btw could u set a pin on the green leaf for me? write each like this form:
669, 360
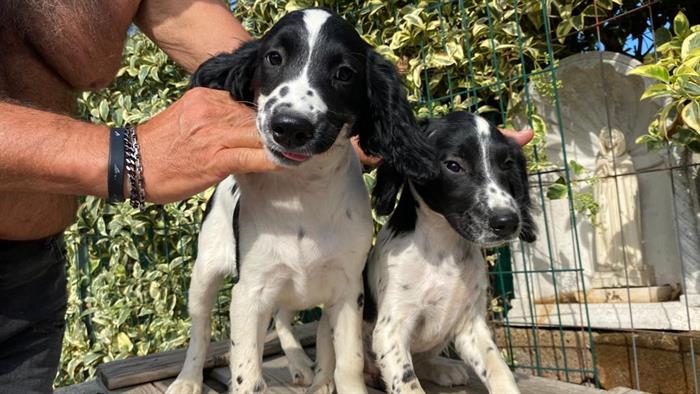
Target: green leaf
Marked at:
104, 110
556, 191
143, 73
690, 43
691, 115
655, 90
124, 343
576, 167
563, 29
661, 36
680, 24
652, 71
441, 60
414, 19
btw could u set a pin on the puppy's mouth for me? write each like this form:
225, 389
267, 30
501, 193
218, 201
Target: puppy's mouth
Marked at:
288, 158
295, 156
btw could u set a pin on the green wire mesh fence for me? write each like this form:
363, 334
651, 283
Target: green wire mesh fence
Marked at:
559, 307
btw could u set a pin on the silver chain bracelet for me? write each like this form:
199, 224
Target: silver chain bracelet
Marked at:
134, 169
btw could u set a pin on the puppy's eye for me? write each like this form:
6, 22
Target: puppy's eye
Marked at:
507, 164
453, 166
274, 58
344, 74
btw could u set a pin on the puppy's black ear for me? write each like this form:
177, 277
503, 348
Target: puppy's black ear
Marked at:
387, 187
389, 128
234, 72
528, 228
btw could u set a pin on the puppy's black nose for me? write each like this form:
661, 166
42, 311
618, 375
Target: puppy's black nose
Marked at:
291, 131
503, 223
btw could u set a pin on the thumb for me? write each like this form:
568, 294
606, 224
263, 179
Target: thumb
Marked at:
246, 160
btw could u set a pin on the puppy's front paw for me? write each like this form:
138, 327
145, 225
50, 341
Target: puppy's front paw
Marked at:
323, 384
249, 386
443, 372
504, 386
184, 386
301, 374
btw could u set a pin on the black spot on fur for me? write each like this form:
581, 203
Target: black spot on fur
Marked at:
348, 213
297, 376
311, 107
309, 93
483, 373
360, 300
301, 233
408, 375
414, 386
239, 379
285, 105
284, 91
270, 103
236, 234
405, 287
370, 311
233, 343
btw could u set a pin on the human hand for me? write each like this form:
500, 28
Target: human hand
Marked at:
197, 142
522, 137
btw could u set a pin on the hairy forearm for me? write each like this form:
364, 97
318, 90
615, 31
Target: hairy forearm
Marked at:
49, 153
190, 31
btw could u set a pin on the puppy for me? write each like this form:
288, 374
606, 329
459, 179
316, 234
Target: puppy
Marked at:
298, 237
427, 273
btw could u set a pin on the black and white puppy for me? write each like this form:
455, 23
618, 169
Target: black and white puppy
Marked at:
427, 273
298, 237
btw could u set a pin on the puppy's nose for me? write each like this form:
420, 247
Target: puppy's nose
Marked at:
503, 223
291, 131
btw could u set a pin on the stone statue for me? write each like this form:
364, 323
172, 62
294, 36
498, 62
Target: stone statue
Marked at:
618, 235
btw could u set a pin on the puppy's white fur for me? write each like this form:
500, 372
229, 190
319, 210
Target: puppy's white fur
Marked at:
431, 286
304, 235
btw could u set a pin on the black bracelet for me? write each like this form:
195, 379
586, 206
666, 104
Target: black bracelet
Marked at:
115, 171
134, 170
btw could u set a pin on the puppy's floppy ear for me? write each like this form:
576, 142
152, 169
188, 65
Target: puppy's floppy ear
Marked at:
388, 129
528, 228
230, 71
387, 187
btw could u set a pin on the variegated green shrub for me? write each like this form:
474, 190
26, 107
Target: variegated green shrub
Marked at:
676, 67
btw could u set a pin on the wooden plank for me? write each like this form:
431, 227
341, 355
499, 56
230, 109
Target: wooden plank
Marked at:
276, 376
162, 386
138, 370
89, 387
147, 388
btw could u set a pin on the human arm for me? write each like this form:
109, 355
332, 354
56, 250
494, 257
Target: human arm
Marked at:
193, 144
190, 31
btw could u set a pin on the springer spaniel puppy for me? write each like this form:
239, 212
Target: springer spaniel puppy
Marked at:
298, 237
427, 273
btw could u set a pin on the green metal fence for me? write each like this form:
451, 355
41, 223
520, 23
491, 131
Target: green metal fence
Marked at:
457, 55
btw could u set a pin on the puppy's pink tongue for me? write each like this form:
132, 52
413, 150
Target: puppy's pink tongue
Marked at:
294, 156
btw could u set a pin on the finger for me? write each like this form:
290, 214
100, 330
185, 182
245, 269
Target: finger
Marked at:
371, 161
521, 137
245, 160
239, 136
